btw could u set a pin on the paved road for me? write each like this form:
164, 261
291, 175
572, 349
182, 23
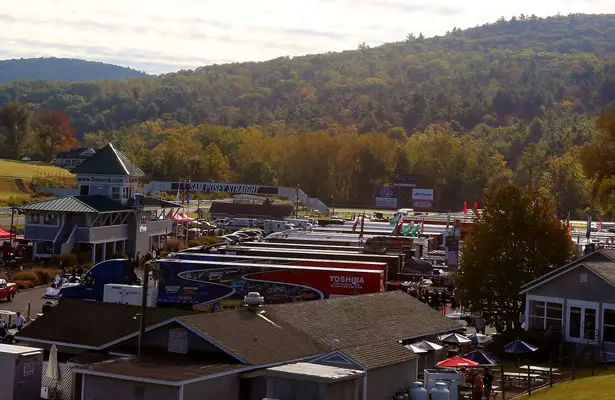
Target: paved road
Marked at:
22, 299
6, 221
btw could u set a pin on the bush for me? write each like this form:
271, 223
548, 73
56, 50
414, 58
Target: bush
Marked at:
22, 285
175, 245
203, 241
26, 276
45, 275
68, 260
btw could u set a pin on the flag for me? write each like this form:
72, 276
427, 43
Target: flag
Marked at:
393, 221
398, 226
188, 195
406, 230
354, 226
475, 207
600, 224
589, 226
465, 207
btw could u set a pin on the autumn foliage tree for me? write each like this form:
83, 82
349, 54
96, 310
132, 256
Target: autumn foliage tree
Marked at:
54, 134
516, 240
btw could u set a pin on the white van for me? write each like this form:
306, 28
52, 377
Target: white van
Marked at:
272, 226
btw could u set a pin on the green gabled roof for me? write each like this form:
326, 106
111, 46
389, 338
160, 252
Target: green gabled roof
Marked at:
108, 161
78, 204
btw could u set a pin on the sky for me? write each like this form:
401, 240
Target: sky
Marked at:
159, 36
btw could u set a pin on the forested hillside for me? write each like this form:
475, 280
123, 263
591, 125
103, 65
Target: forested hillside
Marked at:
510, 101
61, 69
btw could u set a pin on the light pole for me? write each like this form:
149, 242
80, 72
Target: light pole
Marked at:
297, 203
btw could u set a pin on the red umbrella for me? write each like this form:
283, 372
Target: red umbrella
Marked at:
457, 362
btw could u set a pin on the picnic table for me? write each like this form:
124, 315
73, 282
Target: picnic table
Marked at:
538, 369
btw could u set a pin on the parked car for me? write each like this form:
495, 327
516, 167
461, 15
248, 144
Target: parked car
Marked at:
7, 290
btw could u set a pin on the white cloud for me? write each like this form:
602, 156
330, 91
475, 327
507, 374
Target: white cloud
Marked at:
167, 35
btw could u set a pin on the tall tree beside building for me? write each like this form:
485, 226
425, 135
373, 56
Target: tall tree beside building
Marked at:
598, 159
516, 240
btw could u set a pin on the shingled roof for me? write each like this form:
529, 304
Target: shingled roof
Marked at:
108, 161
253, 337
368, 327
94, 324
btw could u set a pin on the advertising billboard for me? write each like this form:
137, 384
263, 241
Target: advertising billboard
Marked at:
422, 198
386, 197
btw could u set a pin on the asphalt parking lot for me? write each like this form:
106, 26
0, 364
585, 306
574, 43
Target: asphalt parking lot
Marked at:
23, 299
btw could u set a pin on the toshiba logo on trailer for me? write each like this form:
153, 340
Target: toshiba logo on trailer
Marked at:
346, 281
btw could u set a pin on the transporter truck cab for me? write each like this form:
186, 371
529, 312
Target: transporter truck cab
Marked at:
92, 286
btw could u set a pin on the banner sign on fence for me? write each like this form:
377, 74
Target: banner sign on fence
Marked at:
386, 197
422, 198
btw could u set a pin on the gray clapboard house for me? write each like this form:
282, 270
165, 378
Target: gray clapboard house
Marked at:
104, 216
577, 300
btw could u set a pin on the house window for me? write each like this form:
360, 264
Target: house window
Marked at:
554, 315
609, 325
34, 218
537, 314
115, 192
583, 278
51, 219
544, 315
84, 190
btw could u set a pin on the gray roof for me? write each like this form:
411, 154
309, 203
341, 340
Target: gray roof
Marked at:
108, 161
604, 269
381, 354
77, 204
600, 255
367, 328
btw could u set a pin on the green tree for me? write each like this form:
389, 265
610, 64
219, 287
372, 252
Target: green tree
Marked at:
531, 167
565, 181
216, 164
598, 159
516, 240
15, 121
258, 172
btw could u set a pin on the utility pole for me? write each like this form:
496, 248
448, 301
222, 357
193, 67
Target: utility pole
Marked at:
143, 306
12, 227
297, 203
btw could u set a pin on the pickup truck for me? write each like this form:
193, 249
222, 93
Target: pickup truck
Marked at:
7, 290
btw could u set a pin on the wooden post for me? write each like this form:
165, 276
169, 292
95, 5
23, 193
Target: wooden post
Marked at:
551, 369
529, 379
503, 382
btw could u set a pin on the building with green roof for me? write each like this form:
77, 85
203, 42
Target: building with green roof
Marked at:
105, 216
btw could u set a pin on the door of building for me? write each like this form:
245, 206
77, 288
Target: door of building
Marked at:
582, 322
